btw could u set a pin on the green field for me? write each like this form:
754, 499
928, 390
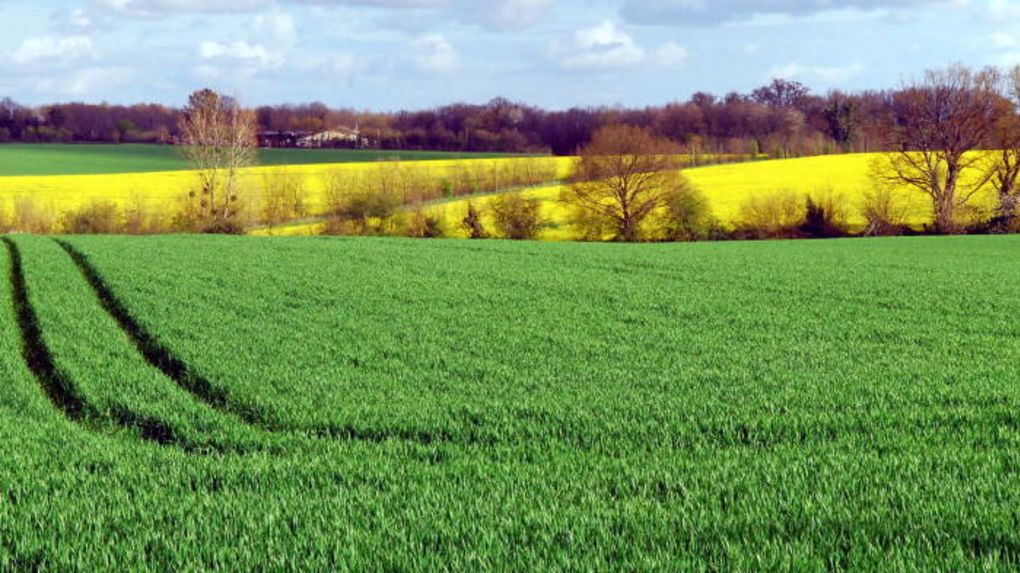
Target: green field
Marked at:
22, 160
194, 403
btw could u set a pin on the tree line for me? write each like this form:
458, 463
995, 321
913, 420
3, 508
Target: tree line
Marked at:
780, 119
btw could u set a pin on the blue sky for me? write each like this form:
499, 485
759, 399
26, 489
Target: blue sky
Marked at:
391, 54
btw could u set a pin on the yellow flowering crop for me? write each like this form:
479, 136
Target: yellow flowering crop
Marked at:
728, 187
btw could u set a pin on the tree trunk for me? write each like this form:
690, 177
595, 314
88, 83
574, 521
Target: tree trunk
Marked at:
945, 210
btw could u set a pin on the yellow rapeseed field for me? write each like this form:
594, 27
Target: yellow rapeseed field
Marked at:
845, 178
728, 188
58, 194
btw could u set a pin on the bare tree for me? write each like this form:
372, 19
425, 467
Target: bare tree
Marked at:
939, 123
219, 139
284, 198
623, 176
1005, 169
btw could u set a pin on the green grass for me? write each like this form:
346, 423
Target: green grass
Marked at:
17, 160
844, 405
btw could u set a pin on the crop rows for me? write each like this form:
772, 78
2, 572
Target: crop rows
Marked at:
383, 404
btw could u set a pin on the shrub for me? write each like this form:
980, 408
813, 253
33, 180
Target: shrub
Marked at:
284, 198
773, 216
884, 212
140, 219
824, 218
589, 225
29, 216
686, 215
516, 217
472, 223
425, 225
97, 218
365, 212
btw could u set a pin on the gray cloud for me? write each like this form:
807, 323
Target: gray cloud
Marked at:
703, 12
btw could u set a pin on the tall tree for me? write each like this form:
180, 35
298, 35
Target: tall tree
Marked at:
842, 116
623, 176
219, 139
1005, 170
939, 123
781, 93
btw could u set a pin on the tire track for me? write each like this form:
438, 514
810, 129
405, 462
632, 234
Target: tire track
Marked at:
61, 391
162, 358
157, 355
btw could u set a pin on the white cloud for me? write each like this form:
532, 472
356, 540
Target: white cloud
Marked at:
671, 55
76, 18
827, 75
95, 82
98, 80
280, 26
1004, 9
504, 15
68, 48
433, 53
602, 46
346, 66
255, 55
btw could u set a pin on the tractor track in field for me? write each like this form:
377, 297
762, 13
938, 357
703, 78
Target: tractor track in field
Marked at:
60, 390
66, 397
162, 358
155, 354
57, 388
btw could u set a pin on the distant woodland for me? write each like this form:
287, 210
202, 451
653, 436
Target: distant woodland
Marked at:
781, 119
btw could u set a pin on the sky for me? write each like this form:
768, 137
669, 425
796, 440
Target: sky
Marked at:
409, 54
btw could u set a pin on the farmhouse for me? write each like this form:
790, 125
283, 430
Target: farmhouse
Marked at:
334, 138
340, 137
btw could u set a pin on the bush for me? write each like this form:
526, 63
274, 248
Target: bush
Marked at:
687, 215
472, 223
29, 216
885, 213
97, 218
774, 216
998, 225
824, 218
283, 198
424, 225
223, 228
139, 218
517, 218
589, 225
365, 212
194, 214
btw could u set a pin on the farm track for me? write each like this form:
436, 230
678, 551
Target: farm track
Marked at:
68, 397
157, 355
57, 388
60, 390
163, 359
